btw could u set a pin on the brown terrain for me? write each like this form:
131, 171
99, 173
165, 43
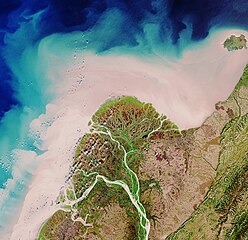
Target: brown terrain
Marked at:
185, 167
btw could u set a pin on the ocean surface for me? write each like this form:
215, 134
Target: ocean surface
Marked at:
33, 33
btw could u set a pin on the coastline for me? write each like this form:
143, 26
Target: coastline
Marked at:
182, 90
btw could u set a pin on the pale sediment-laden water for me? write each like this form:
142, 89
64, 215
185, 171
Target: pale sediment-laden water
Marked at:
58, 64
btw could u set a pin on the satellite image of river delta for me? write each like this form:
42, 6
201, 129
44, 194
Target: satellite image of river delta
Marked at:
136, 173
123, 120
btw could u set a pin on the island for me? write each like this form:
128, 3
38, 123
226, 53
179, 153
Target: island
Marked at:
235, 43
136, 175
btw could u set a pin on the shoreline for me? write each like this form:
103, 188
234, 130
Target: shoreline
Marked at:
185, 91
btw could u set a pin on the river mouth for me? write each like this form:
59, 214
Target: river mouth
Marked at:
111, 153
158, 81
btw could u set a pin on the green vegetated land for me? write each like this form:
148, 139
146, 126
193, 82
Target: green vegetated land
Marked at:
224, 212
235, 43
106, 162
112, 198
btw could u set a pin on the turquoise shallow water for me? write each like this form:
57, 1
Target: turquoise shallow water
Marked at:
31, 92
143, 29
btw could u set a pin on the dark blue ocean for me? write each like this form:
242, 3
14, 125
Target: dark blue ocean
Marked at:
25, 92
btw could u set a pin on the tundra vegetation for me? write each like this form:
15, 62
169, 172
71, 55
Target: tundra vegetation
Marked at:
135, 175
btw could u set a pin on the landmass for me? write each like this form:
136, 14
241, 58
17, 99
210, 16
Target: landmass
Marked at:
206, 174
235, 43
135, 175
